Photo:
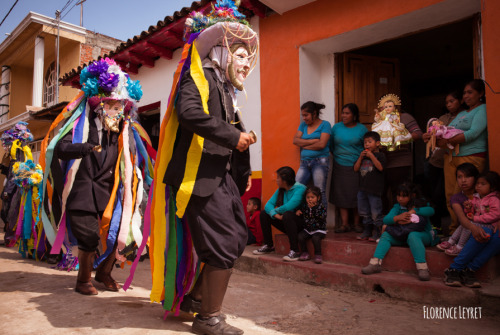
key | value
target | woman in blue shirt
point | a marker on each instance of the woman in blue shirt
(312, 138)
(473, 142)
(280, 213)
(346, 144)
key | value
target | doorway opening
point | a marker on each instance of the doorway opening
(431, 64)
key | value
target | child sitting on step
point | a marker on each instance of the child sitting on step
(485, 240)
(462, 203)
(401, 214)
(313, 215)
(253, 222)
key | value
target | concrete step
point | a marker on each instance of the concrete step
(346, 249)
(349, 277)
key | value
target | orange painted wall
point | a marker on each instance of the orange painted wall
(280, 39)
(490, 12)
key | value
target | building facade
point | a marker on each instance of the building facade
(29, 83)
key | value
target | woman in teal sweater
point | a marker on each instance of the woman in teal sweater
(280, 213)
(401, 214)
(473, 143)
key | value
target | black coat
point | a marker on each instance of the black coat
(94, 180)
(221, 137)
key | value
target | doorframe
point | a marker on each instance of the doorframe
(316, 58)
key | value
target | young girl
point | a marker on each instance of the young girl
(401, 214)
(485, 241)
(314, 220)
(466, 179)
(388, 124)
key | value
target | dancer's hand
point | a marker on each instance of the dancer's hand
(245, 141)
(249, 183)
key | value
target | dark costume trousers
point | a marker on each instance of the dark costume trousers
(218, 226)
(85, 228)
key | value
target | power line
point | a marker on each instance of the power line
(11, 8)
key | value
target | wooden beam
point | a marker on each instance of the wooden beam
(128, 67)
(141, 59)
(176, 37)
(161, 51)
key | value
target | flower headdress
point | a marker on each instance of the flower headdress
(223, 26)
(104, 79)
(19, 132)
(389, 97)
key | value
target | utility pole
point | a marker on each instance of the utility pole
(81, 11)
(58, 18)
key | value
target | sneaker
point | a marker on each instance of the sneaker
(265, 249)
(453, 250)
(304, 256)
(318, 259)
(452, 277)
(291, 257)
(469, 279)
(444, 245)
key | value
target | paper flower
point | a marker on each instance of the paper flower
(91, 87)
(36, 178)
(134, 89)
(97, 68)
(27, 174)
(19, 132)
(108, 81)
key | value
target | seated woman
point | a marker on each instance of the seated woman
(403, 214)
(312, 138)
(280, 213)
(485, 241)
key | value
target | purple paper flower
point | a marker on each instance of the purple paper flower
(96, 68)
(108, 81)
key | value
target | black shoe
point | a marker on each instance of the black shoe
(214, 325)
(469, 279)
(452, 277)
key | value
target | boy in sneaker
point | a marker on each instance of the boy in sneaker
(280, 213)
(371, 164)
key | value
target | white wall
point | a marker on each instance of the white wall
(317, 81)
(157, 83)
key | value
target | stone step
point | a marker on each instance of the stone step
(349, 277)
(346, 249)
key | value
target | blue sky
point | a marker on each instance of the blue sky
(120, 19)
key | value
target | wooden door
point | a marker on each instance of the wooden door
(363, 80)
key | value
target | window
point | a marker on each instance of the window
(49, 86)
(36, 148)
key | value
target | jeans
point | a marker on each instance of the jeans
(370, 208)
(474, 254)
(317, 168)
